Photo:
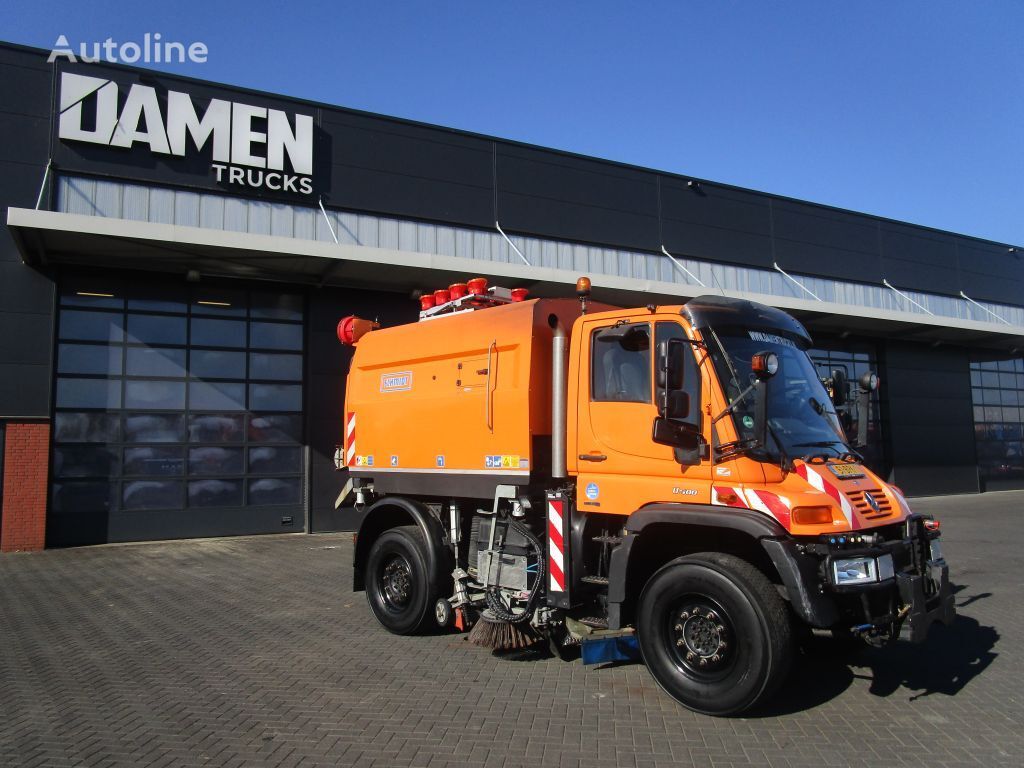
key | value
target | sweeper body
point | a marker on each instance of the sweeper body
(671, 476)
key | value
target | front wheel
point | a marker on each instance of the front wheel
(714, 633)
(399, 587)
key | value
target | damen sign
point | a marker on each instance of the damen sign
(248, 144)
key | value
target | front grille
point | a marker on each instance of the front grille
(866, 510)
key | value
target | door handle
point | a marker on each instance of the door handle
(493, 347)
(592, 457)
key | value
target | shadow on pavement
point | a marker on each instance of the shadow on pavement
(951, 658)
(825, 667)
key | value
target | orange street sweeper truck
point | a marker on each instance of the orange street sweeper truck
(675, 477)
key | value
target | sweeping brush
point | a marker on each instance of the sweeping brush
(497, 635)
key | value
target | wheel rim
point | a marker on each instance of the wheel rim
(701, 636)
(394, 583)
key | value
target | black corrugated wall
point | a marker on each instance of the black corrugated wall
(929, 418)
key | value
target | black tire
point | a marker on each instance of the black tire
(714, 633)
(399, 588)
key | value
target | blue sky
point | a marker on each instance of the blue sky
(912, 110)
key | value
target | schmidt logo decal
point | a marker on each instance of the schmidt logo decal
(396, 382)
(249, 144)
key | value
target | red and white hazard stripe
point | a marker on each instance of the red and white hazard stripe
(820, 483)
(556, 547)
(727, 496)
(769, 503)
(904, 506)
(350, 439)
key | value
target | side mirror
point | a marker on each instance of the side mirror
(684, 438)
(670, 364)
(868, 384)
(675, 404)
(840, 387)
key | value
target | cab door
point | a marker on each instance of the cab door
(619, 467)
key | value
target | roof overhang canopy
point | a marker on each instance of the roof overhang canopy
(46, 238)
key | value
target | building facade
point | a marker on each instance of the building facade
(177, 254)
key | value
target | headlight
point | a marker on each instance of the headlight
(936, 550)
(862, 570)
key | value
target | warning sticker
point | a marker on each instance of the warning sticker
(501, 461)
(364, 461)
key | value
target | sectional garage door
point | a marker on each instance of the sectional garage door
(177, 411)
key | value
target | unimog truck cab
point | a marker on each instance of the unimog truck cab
(547, 468)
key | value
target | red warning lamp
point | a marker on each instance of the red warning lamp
(477, 286)
(441, 296)
(353, 328)
(520, 294)
(426, 301)
(764, 364)
(457, 290)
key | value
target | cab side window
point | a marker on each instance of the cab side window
(620, 364)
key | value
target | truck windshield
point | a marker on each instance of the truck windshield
(800, 414)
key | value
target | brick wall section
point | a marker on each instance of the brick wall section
(26, 465)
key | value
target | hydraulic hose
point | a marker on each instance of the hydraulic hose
(491, 596)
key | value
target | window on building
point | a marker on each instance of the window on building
(997, 392)
(855, 361)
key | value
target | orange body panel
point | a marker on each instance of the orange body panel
(636, 471)
(470, 393)
(451, 394)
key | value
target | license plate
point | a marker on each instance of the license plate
(846, 471)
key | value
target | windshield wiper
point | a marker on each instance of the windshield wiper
(824, 414)
(848, 455)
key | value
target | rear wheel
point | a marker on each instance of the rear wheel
(714, 633)
(399, 587)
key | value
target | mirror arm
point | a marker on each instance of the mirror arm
(761, 412)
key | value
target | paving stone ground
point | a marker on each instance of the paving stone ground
(253, 652)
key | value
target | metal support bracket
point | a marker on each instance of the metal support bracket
(985, 309)
(328, 220)
(679, 265)
(796, 282)
(42, 186)
(513, 245)
(901, 294)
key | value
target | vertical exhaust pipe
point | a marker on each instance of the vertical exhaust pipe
(559, 347)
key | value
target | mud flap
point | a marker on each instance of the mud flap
(799, 574)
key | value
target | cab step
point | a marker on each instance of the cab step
(599, 580)
(594, 622)
(605, 539)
